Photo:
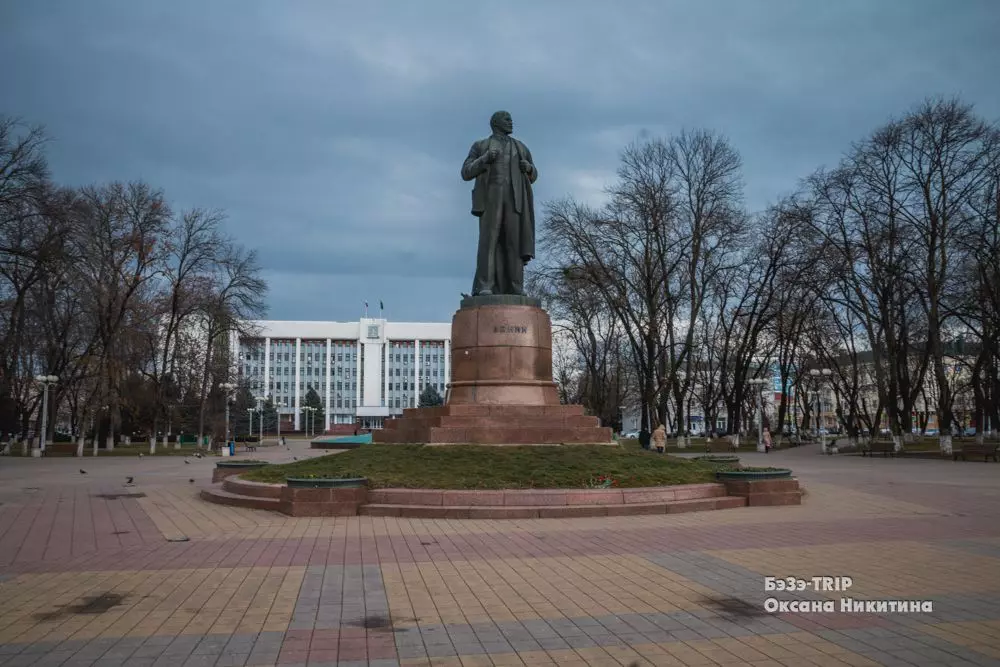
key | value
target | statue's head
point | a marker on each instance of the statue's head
(502, 122)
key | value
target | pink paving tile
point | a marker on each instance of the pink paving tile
(323, 655)
(293, 657)
(380, 652)
(345, 654)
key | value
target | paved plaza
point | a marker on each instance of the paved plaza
(93, 572)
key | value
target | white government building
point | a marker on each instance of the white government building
(363, 371)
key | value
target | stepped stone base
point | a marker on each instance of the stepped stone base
(472, 504)
(485, 424)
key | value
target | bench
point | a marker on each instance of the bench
(68, 448)
(723, 445)
(884, 446)
(987, 450)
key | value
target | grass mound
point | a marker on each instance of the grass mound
(483, 467)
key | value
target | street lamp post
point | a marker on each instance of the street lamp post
(310, 424)
(45, 381)
(759, 383)
(227, 387)
(818, 375)
(277, 419)
(260, 408)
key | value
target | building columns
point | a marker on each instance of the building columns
(329, 364)
(416, 373)
(360, 379)
(267, 368)
(298, 371)
(386, 357)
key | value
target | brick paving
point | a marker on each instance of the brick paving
(93, 572)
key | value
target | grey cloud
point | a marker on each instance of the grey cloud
(332, 132)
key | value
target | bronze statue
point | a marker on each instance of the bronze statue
(503, 202)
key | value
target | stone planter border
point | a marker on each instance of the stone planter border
(225, 469)
(748, 475)
(326, 482)
(766, 492)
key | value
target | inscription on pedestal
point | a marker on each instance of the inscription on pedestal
(510, 328)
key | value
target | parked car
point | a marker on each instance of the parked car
(969, 431)
(634, 435)
(931, 431)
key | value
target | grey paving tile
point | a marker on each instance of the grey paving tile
(139, 662)
(438, 651)
(406, 652)
(77, 661)
(54, 659)
(232, 659)
(201, 660)
(159, 640)
(152, 651)
(469, 648)
(260, 658)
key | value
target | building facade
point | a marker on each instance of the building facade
(364, 371)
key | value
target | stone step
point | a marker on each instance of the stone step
(547, 497)
(548, 511)
(215, 494)
(498, 421)
(485, 409)
(253, 489)
(507, 435)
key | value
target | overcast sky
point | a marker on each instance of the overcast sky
(332, 132)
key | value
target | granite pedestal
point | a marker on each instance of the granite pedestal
(501, 389)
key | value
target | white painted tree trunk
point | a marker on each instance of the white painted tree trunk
(111, 442)
(681, 442)
(152, 444)
(980, 437)
(897, 443)
(79, 445)
(946, 444)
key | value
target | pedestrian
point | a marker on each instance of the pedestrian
(660, 438)
(767, 436)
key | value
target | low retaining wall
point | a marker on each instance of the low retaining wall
(766, 492)
(322, 502)
(547, 497)
(503, 504)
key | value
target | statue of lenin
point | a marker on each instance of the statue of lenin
(503, 202)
